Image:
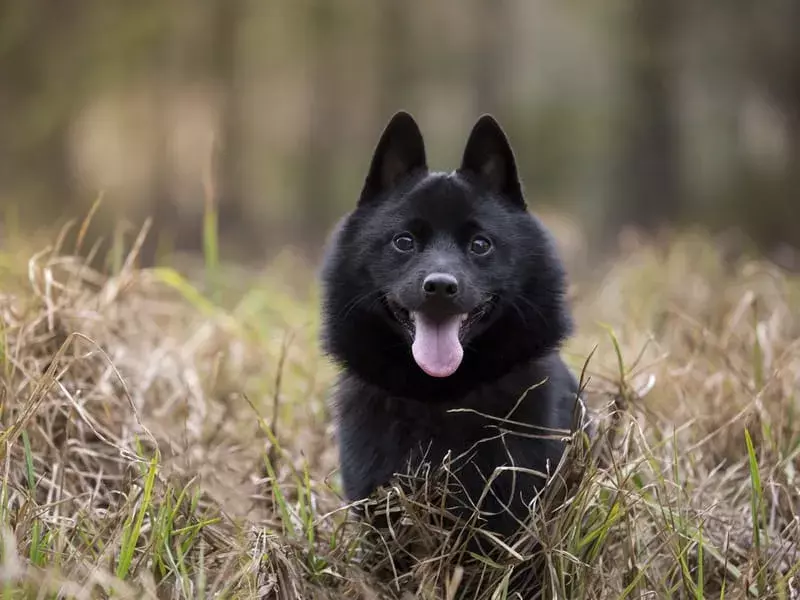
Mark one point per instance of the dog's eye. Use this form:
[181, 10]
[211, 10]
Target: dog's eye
[480, 245]
[403, 242]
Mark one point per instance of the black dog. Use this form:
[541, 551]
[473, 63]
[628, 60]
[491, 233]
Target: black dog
[440, 292]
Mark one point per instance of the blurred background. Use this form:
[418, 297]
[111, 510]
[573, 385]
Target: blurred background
[627, 113]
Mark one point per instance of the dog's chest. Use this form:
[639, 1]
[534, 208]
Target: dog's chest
[494, 423]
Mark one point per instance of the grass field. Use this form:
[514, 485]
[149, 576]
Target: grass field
[168, 439]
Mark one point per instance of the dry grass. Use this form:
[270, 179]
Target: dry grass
[155, 445]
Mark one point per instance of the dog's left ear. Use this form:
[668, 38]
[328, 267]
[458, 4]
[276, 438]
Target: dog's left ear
[488, 158]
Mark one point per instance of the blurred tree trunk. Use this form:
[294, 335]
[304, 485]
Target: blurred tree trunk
[38, 101]
[230, 143]
[161, 200]
[782, 239]
[395, 65]
[765, 203]
[318, 181]
[782, 64]
[489, 54]
[647, 177]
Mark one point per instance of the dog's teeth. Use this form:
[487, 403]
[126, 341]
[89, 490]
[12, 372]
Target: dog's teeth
[464, 317]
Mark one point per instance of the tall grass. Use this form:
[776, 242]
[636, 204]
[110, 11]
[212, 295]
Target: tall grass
[157, 444]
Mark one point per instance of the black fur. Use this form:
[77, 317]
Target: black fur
[389, 411]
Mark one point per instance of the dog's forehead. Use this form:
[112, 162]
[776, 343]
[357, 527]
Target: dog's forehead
[439, 198]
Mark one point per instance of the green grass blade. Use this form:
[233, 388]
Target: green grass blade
[699, 586]
[133, 527]
[756, 505]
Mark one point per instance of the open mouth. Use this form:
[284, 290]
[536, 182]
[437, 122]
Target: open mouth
[466, 320]
[437, 342]
[400, 314]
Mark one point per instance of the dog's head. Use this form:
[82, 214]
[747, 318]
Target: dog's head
[446, 269]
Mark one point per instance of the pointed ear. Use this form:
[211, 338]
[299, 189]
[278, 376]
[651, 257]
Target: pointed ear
[399, 153]
[489, 160]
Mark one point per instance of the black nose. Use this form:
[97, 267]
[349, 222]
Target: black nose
[440, 284]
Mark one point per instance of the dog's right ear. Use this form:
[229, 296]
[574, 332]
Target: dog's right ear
[399, 153]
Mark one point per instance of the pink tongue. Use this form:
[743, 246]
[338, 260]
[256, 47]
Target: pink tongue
[436, 347]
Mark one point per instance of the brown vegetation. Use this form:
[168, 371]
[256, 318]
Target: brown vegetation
[154, 444]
